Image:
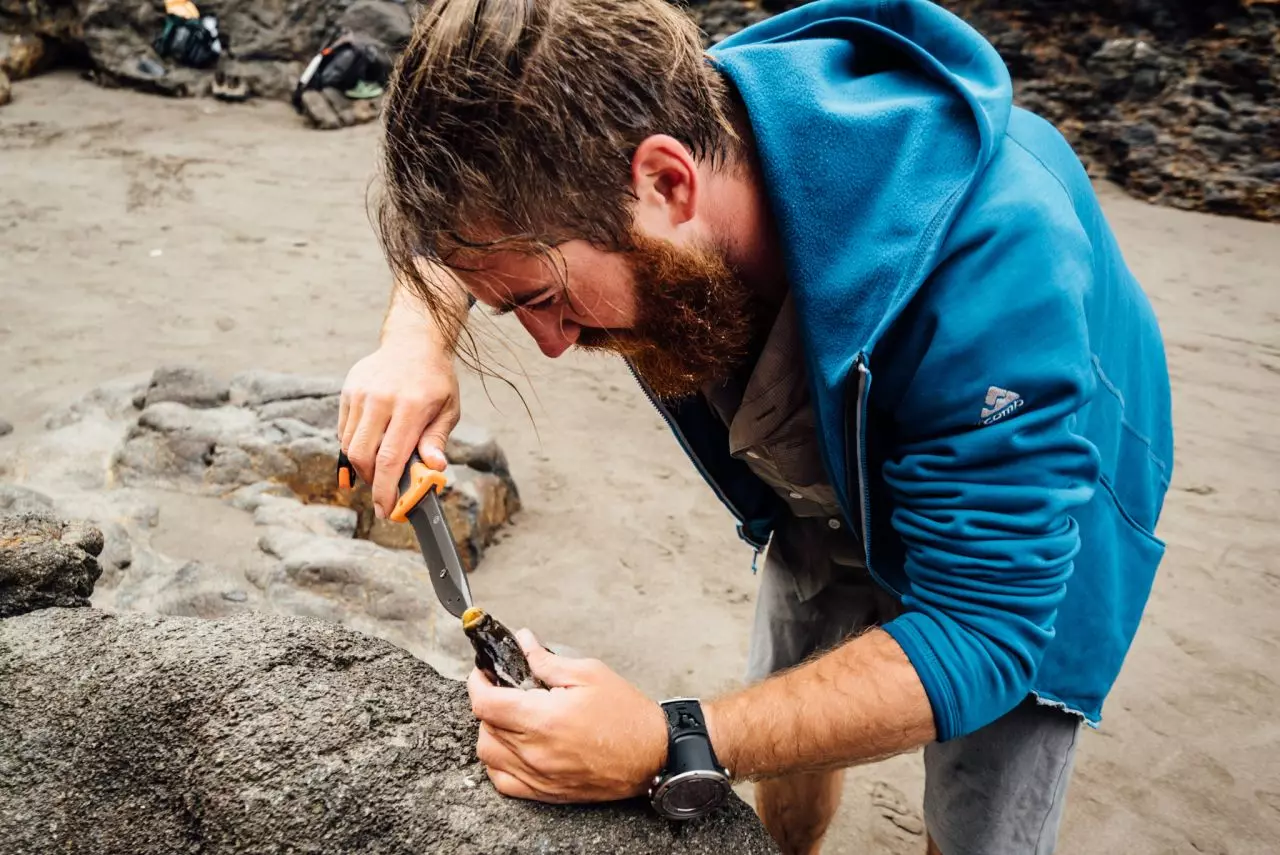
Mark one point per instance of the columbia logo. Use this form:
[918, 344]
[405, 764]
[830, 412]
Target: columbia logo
[1000, 403]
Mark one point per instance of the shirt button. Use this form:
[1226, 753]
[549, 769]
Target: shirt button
[796, 495]
[833, 523]
[753, 455]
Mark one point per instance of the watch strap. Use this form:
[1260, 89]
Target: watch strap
[688, 741]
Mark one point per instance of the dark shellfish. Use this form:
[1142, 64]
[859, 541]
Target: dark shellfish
[498, 653]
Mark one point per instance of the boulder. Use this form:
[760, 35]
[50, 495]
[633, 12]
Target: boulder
[185, 385]
[160, 734]
[45, 562]
[23, 55]
[21, 500]
[379, 592]
[274, 428]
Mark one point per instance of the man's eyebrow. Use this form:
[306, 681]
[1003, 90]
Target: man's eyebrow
[509, 306]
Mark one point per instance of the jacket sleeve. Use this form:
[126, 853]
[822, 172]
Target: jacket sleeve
[986, 466]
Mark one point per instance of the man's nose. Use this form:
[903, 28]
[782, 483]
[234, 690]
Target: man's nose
[553, 335]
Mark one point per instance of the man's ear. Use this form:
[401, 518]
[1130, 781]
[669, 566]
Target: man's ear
[664, 176]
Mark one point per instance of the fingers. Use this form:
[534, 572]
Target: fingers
[391, 458]
[557, 671]
[344, 405]
[497, 706]
[436, 436]
[528, 641]
[510, 775]
[366, 437]
[511, 786]
[349, 417]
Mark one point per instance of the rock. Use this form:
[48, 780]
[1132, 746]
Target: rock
[153, 735]
[316, 107]
[321, 413]
[6, 428]
[342, 106]
[471, 445]
[281, 429]
[117, 399]
[23, 55]
[250, 497]
[315, 519]
[185, 385]
[358, 584]
[6, 89]
[386, 23]
[46, 562]
[254, 388]
[21, 500]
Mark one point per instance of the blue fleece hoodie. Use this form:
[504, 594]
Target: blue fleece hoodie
[1007, 465]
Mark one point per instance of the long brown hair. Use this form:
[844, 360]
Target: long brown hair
[511, 124]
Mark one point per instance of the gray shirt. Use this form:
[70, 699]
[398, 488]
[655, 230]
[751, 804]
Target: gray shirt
[772, 429]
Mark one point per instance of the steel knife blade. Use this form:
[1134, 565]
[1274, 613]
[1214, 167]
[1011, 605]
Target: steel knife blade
[419, 505]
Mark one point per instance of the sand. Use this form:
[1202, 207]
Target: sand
[136, 231]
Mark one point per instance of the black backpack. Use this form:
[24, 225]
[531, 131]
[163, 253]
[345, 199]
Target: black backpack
[193, 42]
[341, 65]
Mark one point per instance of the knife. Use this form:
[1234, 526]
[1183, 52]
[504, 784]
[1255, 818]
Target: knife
[419, 505]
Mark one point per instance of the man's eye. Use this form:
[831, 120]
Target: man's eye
[545, 302]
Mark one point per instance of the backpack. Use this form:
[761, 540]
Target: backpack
[191, 41]
[344, 63]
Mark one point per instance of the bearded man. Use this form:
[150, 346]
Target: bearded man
[883, 313]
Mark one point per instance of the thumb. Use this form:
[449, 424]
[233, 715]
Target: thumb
[435, 438]
[556, 671]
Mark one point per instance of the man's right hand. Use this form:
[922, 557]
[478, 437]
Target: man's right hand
[403, 394]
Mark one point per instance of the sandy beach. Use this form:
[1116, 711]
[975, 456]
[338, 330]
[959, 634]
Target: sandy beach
[137, 231]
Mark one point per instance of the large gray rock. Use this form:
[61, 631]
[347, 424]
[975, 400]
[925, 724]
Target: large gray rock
[146, 734]
[376, 591]
[185, 385]
[150, 734]
[280, 428]
[45, 562]
[21, 500]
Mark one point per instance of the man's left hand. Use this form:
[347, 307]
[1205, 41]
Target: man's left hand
[591, 737]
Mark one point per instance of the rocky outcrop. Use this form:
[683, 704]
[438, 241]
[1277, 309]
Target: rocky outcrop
[150, 734]
[217, 497]
[268, 41]
[46, 562]
[196, 433]
[1176, 101]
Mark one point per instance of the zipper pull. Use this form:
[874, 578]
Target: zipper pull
[755, 559]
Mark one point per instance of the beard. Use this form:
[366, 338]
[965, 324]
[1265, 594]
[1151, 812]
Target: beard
[695, 319]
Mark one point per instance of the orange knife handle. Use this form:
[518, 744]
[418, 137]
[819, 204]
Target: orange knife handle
[346, 472]
[421, 481]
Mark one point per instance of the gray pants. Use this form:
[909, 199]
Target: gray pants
[997, 791]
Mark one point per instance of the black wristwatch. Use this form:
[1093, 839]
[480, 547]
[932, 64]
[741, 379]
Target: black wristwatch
[693, 782]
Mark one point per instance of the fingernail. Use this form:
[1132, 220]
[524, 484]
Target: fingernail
[379, 512]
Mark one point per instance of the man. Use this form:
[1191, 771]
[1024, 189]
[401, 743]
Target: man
[882, 312]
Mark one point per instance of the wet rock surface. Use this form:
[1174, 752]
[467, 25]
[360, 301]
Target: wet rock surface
[153, 734]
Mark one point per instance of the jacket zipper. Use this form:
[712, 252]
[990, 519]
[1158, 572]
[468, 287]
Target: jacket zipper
[860, 449]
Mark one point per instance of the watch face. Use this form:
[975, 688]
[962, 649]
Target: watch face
[693, 795]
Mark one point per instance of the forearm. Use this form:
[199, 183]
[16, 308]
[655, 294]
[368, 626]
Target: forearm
[438, 320]
[858, 702]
